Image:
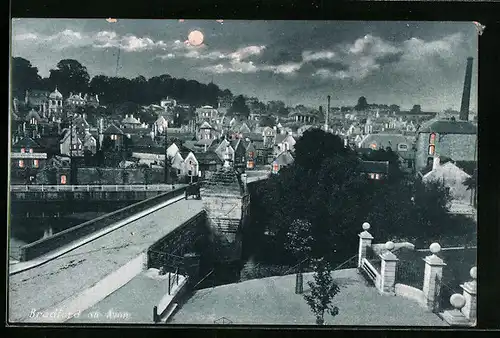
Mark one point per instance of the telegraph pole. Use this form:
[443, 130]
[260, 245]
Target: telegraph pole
[71, 157]
[165, 141]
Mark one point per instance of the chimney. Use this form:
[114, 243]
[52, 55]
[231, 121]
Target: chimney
[435, 163]
[327, 113]
[464, 108]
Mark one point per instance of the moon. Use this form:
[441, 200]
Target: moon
[195, 38]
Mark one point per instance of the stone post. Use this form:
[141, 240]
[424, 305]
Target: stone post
[432, 277]
[455, 317]
[388, 269]
[470, 295]
[365, 241]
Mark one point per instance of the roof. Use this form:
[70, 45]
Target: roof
[26, 142]
[468, 166]
[33, 114]
[381, 167]
[255, 136]
[112, 130]
[209, 157]
[383, 140]
[205, 125]
[448, 127]
[224, 181]
[285, 158]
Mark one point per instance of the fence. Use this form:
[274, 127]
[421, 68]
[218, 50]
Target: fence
[432, 283]
[62, 238]
[78, 188]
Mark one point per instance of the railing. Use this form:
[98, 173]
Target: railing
[115, 187]
[371, 271]
[158, 258]
[62, 238]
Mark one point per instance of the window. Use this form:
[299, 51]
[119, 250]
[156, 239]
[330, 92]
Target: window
[36, 163]
[377, 176]
[23, 150]
[410, 164]
[373, 146]
[372, 176]
[63, 179]
[114, 137]
[275, 167]
[21, 164]
[430, 160]
[190, 173]
[432, 138]
[31, 150]
[402, 147]
[432, 149]
[178, 171]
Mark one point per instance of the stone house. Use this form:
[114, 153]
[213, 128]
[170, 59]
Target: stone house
[284, 159]
[284, 143]
[445, 138]
[375, 170]
[397, 142]
[444, 170]
[71, 142]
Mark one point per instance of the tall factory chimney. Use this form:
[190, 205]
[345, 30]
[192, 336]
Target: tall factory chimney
[327, 113]
[464, 108]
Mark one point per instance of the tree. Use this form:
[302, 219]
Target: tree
[471, 184]
[362, 104]
[394, 108]
[299, 245]
[24, 77]
[323, 290]
[416, 109]
[316, 145]
[266, 121]
[70, 76]
[239, 107]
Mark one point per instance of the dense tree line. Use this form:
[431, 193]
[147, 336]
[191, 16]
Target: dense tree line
[325, 187]
[70, 76]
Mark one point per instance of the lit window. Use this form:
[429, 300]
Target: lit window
[377, 176]
[372, 176]
[432, 138]
[23, 150]
[63, 179]
[275, 167]
[21, 164]
[35, 163]
[31, 150]
[114, 137]
[373, 146]
[432, 149]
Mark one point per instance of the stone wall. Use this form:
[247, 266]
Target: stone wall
[45, 245]
[458, 147]
[223, 206]
[120, 176]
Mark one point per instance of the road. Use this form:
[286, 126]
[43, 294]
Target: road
[46, 286]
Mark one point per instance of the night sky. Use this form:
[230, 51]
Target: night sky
[402, 63]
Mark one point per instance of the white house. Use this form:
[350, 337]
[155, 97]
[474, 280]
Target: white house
[191, 166]
[77, 144]
[452, 177]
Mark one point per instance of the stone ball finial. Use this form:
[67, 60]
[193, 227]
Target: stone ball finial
[435, 248]
[366, 226]
[457, 301]
[389, 245]
[473, 272]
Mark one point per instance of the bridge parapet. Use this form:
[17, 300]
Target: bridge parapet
[46, 245]
[168, 253]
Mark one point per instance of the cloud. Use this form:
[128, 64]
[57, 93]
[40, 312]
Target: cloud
[104, 39]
